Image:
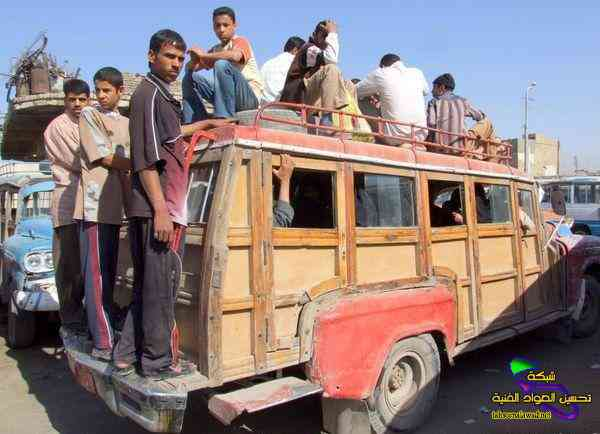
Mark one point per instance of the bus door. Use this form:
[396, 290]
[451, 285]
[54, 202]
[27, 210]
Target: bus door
[496, 247]
[543, 286]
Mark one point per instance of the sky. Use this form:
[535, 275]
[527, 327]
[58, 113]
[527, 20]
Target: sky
[494, 50]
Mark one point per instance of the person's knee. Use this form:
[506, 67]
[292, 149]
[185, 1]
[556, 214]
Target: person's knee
[222, 65]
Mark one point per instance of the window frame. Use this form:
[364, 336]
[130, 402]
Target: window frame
[293, 236]
[465, 214]
[493, 181]
[370, 171]
[215, 178]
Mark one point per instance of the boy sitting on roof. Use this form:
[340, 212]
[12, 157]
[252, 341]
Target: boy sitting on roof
[314, 77]
[447, 111]
[236, 84]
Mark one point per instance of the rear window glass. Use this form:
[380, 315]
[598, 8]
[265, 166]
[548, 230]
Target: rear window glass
[37, 204]
[492, 203]
[384, 200]
[202, 188]
[526, 203]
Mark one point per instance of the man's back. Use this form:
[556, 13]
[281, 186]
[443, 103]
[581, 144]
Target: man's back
[402, 93]
[448, 112]
[274, 73]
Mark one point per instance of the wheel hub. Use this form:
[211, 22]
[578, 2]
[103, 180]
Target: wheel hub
[404, 381]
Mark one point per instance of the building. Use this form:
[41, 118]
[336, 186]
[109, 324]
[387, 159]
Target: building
[544, 153]
[29, 115]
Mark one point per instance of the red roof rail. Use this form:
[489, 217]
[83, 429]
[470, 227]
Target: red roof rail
[495, 151]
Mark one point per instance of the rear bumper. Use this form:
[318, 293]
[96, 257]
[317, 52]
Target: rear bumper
[38, 296]
[156, 406]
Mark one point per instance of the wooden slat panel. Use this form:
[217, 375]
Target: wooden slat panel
[385, 262]
[350, 224]
[424, 249]
[449, 234]
[340, 198]
[451, 254]
[240, 212]
[387, 236]
[308, 163]
[500, 276]
[247, 303]
[383, 170]
[498, 304]
[239, 237]
[237, 281]
[473, 248]
[267, 185]
[496, 255]
[213, 268]
[488, 230]
[291, 265]
[304, 237]
[262, 298]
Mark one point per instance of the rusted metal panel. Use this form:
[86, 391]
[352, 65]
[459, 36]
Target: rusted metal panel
[353, 336]
[228, 406]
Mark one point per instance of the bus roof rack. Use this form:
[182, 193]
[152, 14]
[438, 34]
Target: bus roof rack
[467, 146]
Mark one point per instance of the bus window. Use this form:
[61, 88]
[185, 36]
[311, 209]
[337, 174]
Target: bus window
[384, 200]
[583, 193]
[566, 190]
[312, 198]
[492, 203]
[526, 203]
[446, 203]
[202, 188]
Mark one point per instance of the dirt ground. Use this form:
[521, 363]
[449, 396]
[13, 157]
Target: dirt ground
[38, 395]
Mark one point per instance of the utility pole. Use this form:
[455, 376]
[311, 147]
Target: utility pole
[525, 137]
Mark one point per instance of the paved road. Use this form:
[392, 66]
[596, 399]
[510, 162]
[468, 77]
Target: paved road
[38, 395]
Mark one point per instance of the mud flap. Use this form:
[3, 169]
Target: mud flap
[228, 406]
[345, 416]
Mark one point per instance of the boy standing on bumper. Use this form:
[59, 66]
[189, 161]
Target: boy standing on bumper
[62, 143]
[105, 161]
[158, 214]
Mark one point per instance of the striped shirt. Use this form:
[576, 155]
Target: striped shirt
[448, 112]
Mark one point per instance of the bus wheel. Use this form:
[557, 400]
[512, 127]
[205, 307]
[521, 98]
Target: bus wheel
[589, 319]
[21, 327]
[407, 387]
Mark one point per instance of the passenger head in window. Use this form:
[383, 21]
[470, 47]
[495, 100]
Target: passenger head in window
[365, 207]
[312, 201]
[442, 216]
[482, 204]
[454, 207]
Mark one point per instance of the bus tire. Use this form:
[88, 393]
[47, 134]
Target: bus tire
[408, 385]
[21, 327]
[589, 319]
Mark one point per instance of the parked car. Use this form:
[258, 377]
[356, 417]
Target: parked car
[27, 273]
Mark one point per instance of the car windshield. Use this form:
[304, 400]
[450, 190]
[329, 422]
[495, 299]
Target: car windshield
[36, 204]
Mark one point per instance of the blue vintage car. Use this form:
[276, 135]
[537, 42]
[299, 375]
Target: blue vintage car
[28, 285]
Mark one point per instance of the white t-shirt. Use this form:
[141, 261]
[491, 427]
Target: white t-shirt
[401, 91]
[274, 73]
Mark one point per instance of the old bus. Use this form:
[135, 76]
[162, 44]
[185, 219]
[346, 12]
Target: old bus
[366, 293]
